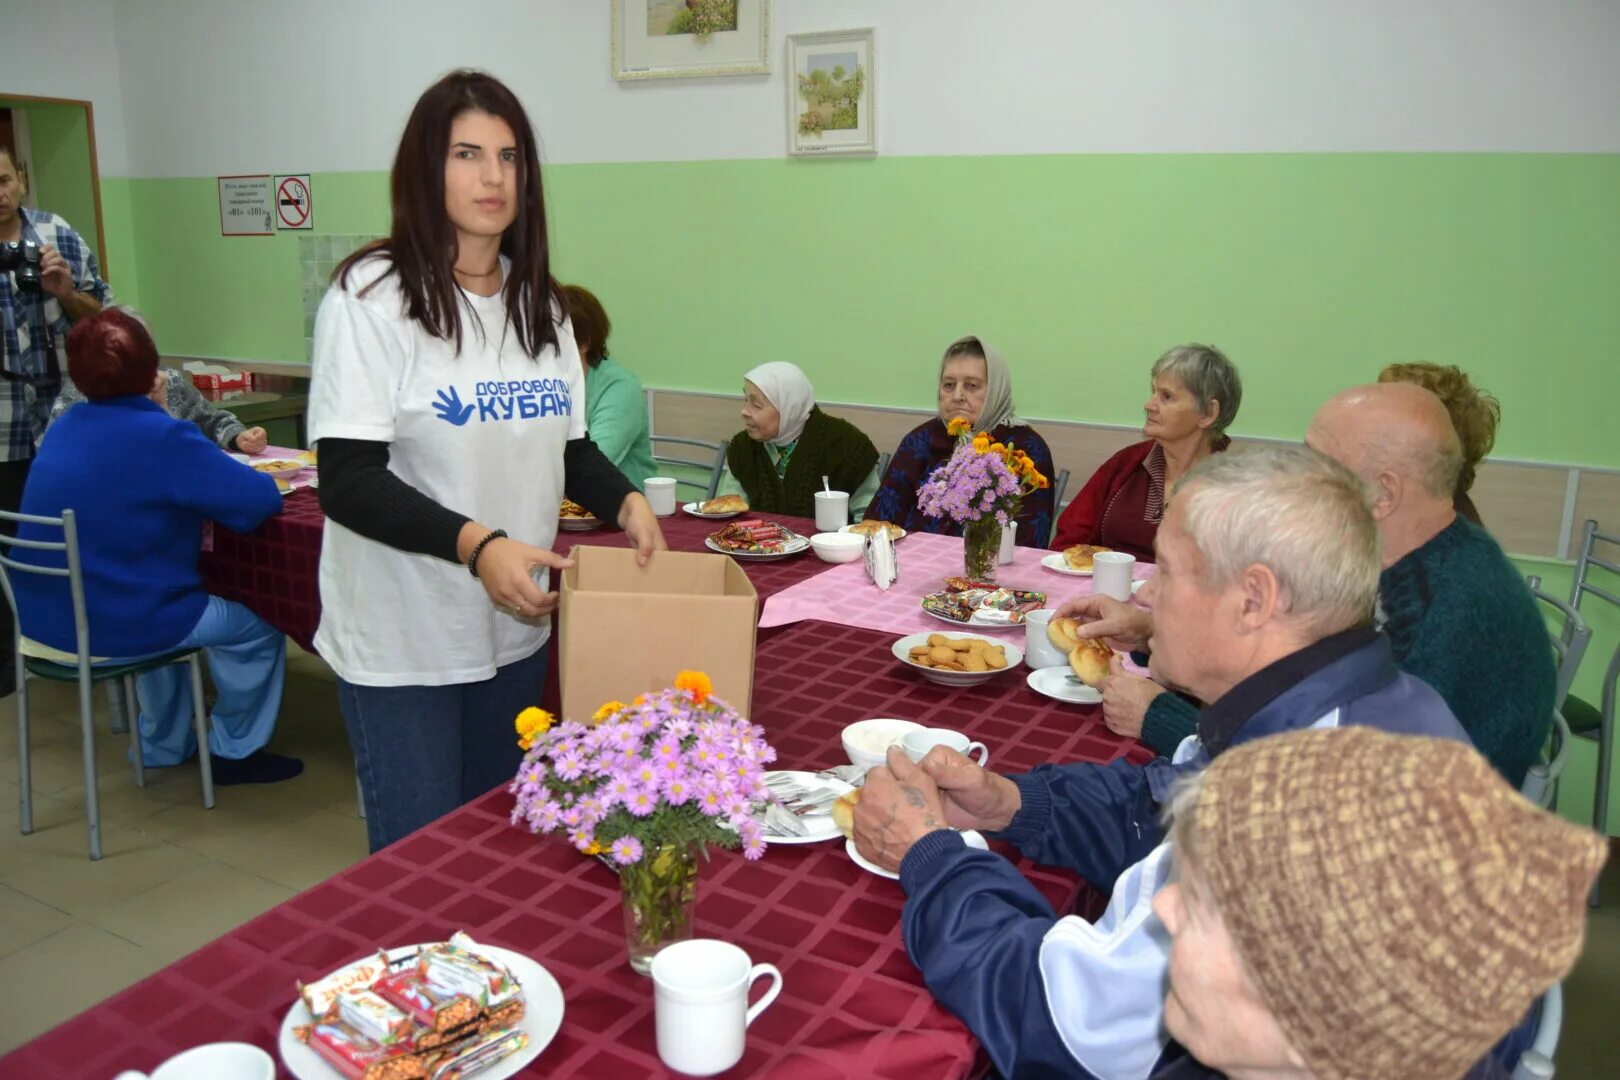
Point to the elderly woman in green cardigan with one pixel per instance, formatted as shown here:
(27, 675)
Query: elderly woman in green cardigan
(615, 404)
(788, 444)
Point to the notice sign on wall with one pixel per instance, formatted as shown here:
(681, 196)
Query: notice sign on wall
(294, 204)
(246, 206)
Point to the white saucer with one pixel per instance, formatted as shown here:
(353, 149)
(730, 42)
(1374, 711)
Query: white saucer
(971, 837)
(1058, 564)
(1054, 683)
(692, 508)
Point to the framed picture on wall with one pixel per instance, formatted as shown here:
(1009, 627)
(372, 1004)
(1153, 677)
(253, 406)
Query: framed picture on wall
(831, 93)
(673, 39)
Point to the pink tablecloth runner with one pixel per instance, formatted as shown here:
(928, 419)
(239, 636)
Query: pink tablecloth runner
(845, 595)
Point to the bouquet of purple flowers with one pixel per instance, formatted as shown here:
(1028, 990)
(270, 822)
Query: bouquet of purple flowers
(677, 768)
(972, 485)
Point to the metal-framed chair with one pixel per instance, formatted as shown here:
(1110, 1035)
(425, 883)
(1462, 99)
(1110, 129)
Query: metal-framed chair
(85, 674)
(714, 466)
(1569, 644)
(1585, 720)
(1059, 485)
(1536, 1063)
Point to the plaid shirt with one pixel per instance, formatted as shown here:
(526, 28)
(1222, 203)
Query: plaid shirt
(33, 336)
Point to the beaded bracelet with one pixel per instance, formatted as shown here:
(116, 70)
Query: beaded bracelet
(472, 560)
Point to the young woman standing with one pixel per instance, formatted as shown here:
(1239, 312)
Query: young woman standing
(448, 403)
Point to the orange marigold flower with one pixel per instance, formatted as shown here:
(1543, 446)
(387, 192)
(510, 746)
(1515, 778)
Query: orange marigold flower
(997, 448)
(607, 710)
(697, 683)
(981, 444)
(958, 426)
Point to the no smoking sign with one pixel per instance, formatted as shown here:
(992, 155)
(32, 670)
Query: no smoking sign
(295, 207)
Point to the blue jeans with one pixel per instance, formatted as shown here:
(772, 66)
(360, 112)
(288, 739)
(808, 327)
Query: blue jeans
(247, 658)
(422, 751)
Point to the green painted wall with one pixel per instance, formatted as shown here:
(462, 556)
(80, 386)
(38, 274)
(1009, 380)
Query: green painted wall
(1312, 270)
(59, 144)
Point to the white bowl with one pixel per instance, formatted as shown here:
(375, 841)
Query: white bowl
(838, 547)
(877, 730)
(902, 652)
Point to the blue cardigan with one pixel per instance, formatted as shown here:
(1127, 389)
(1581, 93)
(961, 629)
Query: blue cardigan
(141, 484)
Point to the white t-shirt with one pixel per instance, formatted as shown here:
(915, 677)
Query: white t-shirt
(481, 433)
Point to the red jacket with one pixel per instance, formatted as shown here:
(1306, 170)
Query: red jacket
(1083, 521)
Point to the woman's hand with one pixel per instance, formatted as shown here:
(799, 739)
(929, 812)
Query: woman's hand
(641, 527)
(506, 571)
(252, 441)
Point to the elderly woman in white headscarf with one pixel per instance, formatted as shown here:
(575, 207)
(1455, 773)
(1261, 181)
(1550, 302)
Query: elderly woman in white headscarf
(975, 385)
(788, 444)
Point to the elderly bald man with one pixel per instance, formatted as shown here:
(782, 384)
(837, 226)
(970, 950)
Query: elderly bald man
(1457, 613)
(1268, 570)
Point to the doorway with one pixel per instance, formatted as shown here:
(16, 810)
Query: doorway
(53, 142)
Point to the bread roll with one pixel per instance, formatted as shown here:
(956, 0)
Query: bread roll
(1089, 661)
(1064, 634)
(724, 504)
(1079, 556)
(843, 811)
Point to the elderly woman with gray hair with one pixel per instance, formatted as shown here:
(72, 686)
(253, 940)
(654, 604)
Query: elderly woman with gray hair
(1195, 398)
(975, 385)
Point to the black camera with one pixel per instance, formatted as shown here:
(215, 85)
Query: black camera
(21, 256)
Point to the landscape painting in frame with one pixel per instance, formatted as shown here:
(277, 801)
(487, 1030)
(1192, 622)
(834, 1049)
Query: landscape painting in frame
(672, 39)
(832, 101)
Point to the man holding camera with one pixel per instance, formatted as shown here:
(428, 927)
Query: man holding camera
(48, 281)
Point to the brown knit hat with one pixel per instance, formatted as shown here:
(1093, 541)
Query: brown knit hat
(1397, 905)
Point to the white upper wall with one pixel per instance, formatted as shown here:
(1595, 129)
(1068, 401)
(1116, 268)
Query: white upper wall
(68, 50)
(220, 86)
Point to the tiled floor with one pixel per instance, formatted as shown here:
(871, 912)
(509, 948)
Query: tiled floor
(176, 876)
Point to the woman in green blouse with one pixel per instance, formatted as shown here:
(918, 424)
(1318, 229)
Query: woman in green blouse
(615, 404)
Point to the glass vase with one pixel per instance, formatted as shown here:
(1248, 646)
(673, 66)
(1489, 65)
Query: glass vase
(660, 894)
(981, 548)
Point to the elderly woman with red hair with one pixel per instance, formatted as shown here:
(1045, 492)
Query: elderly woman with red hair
(141, 484)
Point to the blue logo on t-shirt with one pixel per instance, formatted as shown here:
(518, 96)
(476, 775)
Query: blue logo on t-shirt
(525, 399)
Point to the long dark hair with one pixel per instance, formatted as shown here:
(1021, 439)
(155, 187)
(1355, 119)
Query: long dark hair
(421, 246)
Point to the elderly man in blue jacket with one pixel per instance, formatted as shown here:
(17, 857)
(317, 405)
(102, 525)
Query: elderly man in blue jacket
(1268, 563)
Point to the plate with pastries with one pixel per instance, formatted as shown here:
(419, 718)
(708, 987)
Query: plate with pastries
(718, 508)
(956, 659)
(572, 517)
(756, 540)
(843, 816)
(870, 529)
(448, 1008)
(1073, 560)
(280, 468)
(983, 605)
(1088, 666)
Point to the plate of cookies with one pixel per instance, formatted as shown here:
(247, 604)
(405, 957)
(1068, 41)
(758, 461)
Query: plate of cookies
(718, 508)
(956, 659)
(572, 517)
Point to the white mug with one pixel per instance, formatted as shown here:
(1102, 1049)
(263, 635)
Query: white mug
(661, 494)
(701, 991)
(832, 510)
(1039, 652)
(1009, 543)
(916, 744)
(215, 1061)
(1111, 574)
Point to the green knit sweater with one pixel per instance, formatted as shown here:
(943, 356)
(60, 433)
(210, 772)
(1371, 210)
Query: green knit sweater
(828, 446)
(1460, 618)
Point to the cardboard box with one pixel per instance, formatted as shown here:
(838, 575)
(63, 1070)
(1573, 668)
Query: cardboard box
(627, 630)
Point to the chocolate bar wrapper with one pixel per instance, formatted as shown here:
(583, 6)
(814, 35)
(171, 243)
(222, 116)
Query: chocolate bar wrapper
(458, 965)
(507, 1015)
(993, 617)
(433, 1009)
(358, 1058)
(481, 1054)
(945, 604)
(367, 1013)
(320, 996)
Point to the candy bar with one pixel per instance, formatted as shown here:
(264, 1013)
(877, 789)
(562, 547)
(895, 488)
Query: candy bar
(321, 995)
(371, 1016)
(358, 1058)
(480, 1054)
(428, 1006)
(457, 967)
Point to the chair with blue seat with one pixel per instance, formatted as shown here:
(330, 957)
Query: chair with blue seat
(714, 464)
(86, 674)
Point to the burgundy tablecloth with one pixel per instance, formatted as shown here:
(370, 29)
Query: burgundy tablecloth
(852, 1004)
(275, 570)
